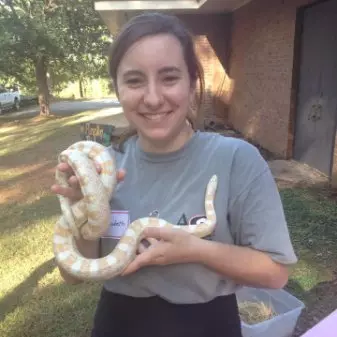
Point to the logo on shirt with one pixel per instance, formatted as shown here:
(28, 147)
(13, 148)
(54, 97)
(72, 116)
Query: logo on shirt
(194, 220)
(184, 221)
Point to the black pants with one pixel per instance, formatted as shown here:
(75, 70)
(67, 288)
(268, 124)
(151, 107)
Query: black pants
(123, 316)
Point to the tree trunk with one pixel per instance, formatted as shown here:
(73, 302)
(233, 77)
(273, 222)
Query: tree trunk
(81, 87)
(42, 84)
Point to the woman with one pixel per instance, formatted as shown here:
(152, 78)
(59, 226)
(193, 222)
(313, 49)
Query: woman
(181, 285)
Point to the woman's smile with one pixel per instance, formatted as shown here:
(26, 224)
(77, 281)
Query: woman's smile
(156, 117)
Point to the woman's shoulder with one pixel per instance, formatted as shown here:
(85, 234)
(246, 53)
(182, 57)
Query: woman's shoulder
(245, 158)
(229, 144)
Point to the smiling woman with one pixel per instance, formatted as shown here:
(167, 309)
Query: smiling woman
(156, 72)
(156, 92)
(181, 285)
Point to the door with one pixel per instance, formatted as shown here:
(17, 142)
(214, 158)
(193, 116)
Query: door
(315, 124)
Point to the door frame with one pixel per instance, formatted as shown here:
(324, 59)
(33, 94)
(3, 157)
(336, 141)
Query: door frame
(295, 83)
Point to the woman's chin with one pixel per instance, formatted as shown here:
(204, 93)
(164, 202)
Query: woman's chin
(157, 136)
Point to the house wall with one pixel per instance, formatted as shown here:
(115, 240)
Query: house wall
(261, 66)
(212, 34)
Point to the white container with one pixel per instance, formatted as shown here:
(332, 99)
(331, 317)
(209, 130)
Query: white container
(287, 307)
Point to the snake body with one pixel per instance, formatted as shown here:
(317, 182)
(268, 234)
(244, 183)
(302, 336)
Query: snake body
(89, 218)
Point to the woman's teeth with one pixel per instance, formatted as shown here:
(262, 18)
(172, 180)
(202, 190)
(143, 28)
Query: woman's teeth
(157, 116)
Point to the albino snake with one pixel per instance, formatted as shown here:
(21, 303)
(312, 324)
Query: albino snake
(89, 218)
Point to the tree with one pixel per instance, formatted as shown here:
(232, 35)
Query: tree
(46, 36)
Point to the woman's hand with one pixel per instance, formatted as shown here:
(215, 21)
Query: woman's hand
(74, 192)
(243, 265)
(167, 246)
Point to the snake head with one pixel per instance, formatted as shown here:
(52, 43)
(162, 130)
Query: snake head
(212, 185)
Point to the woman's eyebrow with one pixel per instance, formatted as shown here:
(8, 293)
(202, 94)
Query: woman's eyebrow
(169, 69)
(134, 72)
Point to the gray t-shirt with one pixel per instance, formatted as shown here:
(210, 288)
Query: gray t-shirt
(248, 207)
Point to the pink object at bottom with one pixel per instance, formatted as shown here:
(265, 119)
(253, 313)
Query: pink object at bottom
(325, 328)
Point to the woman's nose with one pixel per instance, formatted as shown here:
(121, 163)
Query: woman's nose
(153, 96)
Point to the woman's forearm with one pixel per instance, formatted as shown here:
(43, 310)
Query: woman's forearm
(89, 249)
(241, 264)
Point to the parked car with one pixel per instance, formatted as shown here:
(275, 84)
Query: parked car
(9, 98)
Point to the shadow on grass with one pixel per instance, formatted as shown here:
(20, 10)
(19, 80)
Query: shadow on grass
(25, 289)
(29, 171)
(13, 217)
(30, 146)
(53, 310)
(28, 140)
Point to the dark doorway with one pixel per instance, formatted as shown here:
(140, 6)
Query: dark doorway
(315, 123)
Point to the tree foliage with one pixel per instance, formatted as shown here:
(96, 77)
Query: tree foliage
(60, 38)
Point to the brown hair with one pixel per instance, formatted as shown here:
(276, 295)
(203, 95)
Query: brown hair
(152, 24)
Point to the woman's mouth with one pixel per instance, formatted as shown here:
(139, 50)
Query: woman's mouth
(156, 116)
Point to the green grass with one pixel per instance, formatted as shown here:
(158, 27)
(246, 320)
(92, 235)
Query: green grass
(311, 217)
(31, 132)
(34, 301)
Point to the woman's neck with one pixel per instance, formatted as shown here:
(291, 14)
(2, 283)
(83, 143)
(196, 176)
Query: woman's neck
(173, 145)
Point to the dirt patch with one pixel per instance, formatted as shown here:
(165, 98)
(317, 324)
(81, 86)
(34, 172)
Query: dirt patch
(29, 173)
(323, 302)
(31, 182)
(289, 173)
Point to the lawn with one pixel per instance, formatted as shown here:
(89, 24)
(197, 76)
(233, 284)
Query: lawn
(33, 299)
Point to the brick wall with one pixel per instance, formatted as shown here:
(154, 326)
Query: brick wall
(261, 66)
(212, 38)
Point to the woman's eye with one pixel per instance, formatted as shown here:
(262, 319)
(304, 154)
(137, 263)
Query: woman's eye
(133, 81)
(171, 79)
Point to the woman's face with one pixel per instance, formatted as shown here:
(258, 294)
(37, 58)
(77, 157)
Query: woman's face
(154, 89)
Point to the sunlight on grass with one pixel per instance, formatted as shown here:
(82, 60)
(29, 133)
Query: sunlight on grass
(308, 275)
(36, 132)
(31, 242)
(34, 300)
(6, 138)
(87, 116)
(8, 129)
(26, 141)
(39, 295)
(10, 174)
(55, 311)
(18, 171)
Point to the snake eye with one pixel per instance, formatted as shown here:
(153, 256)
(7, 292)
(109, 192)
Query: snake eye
(198, 220)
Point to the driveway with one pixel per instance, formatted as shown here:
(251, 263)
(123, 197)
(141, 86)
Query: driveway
(67, 108)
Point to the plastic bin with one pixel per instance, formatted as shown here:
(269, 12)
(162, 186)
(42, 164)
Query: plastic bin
(287, 307)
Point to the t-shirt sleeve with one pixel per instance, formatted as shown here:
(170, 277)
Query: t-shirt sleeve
(256, 214)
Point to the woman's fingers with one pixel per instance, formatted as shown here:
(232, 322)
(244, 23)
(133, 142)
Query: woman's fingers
(120, 175)
(64, 167)
(68, 192)
(146, 244)
(74, 192)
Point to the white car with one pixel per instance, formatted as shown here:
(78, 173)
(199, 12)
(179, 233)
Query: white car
(9, 98)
